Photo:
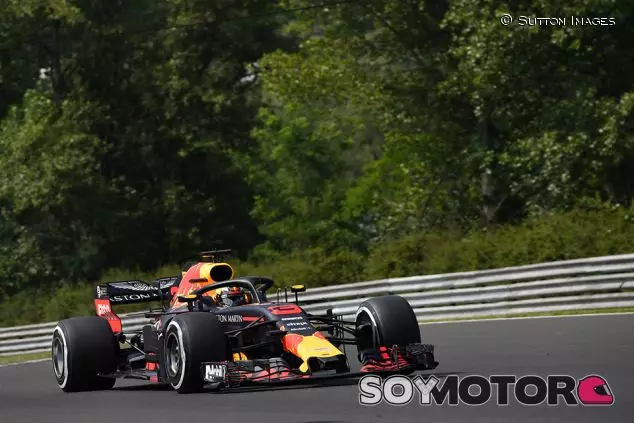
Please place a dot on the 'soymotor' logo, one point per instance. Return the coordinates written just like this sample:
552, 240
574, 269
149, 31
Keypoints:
594, 390
477, 390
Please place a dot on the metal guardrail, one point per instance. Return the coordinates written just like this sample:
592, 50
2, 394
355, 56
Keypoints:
592, 283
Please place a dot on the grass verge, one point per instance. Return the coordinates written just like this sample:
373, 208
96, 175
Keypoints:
8, 359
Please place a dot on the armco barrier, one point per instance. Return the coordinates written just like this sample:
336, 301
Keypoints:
592, 283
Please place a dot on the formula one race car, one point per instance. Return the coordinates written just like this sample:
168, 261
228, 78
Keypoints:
216, 331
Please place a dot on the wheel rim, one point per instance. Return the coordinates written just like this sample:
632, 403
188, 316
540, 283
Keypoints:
58, 357
366, 340
173, 356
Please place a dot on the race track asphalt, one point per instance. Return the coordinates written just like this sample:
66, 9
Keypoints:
575, 346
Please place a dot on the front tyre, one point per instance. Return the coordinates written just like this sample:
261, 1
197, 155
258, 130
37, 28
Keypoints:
190, 340
83, 348
386, 321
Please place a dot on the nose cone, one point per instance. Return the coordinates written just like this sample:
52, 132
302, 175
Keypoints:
310, 346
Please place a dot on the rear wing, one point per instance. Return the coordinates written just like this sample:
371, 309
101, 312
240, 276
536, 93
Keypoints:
137, 291
130, 292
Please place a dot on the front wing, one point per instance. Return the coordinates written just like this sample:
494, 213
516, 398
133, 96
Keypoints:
275, 371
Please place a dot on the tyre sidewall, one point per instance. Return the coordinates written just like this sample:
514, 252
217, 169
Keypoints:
201, 339
59, 335
89, 349
393, 320
175, 330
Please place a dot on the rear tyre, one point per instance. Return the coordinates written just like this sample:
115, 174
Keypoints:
386, 321
190, 340
84, 348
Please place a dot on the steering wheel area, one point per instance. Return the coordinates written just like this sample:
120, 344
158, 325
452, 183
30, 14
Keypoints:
255, 286
257, 295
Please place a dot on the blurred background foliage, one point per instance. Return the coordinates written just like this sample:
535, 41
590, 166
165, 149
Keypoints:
323, 141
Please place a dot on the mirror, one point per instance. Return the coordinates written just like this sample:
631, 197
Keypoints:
298, 288
295, 289
187, 298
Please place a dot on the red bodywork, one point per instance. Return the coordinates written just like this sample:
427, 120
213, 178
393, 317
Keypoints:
283, 310
388, 360
104, 309
200, 275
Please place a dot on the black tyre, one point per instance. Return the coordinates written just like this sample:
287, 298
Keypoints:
190, 340
82, 349
386, 321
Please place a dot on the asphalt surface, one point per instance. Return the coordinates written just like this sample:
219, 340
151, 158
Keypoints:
575, 346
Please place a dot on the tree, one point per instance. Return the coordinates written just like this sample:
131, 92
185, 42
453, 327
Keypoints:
51, 193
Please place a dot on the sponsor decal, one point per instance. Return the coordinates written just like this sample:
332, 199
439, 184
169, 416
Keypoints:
133, 297
215, 372
133, 286
297, 324
477, 390
230, 318
101, 291
166, 282
103, 309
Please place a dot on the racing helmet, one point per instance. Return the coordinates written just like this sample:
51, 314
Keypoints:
233, 296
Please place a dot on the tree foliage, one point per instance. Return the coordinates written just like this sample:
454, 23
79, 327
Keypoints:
135, 133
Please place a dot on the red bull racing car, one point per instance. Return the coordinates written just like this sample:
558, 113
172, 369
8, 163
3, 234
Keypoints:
217, 331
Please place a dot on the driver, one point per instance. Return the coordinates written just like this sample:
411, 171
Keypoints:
232, 296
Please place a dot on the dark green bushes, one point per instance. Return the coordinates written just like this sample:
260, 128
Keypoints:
584, 232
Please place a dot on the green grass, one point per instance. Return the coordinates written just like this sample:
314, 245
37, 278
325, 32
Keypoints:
23, 357
35, 356
536, 314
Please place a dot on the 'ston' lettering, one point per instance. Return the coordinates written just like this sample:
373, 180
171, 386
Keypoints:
133, 297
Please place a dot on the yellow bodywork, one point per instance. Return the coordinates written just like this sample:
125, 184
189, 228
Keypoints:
239, 356
314, 346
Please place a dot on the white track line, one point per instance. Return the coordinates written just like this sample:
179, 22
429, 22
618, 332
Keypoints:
493, 319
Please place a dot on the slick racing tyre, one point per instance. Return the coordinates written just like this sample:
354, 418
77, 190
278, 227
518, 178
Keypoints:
386, 321
82, 349
190, 340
